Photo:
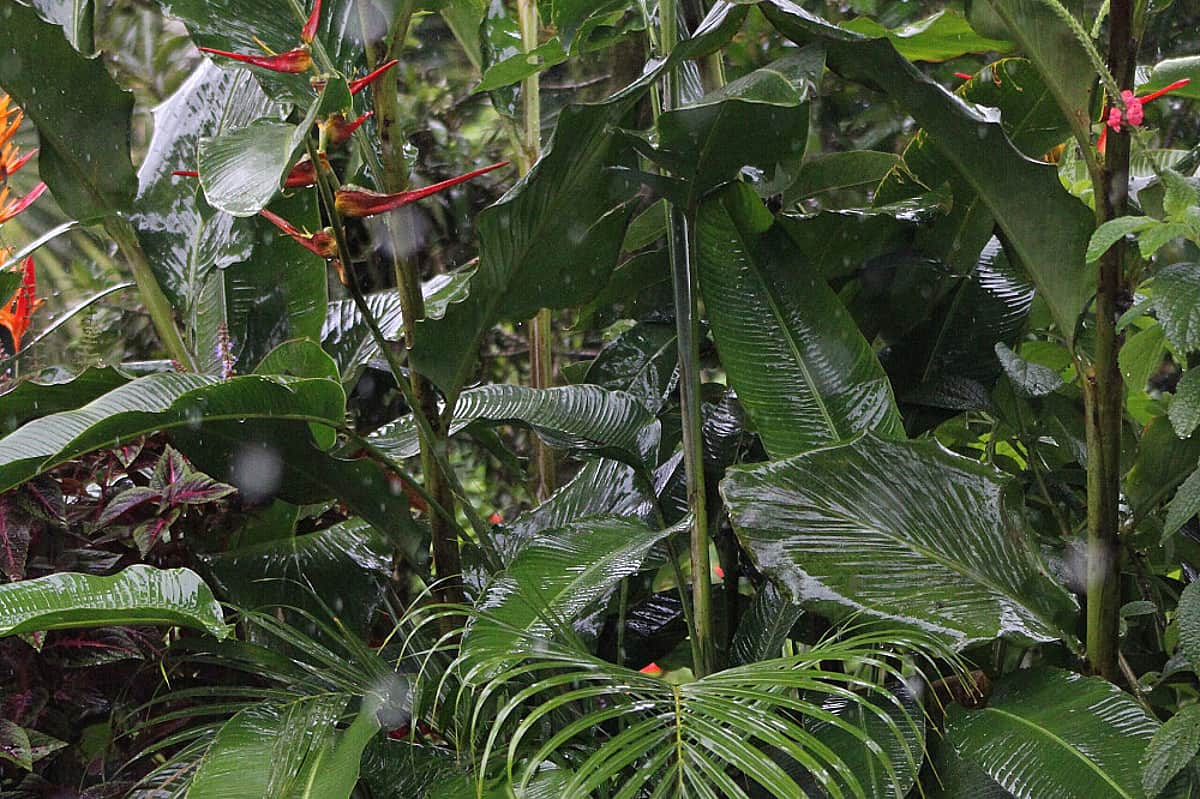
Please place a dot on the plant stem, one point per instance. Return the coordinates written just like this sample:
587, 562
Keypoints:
157, 304
680, 247
541, 327
393, 175
1104, 390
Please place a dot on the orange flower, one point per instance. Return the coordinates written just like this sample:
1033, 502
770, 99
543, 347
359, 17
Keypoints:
11, 160
17, 313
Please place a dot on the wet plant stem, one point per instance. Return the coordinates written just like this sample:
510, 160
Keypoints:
1104, 390
680, 245
541, 327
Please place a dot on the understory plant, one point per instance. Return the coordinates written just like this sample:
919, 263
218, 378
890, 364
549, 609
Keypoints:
630, 400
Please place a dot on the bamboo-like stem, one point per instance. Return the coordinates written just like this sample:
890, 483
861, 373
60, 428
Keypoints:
680, 249
1104, 389
393, 175
157, 305
541, 326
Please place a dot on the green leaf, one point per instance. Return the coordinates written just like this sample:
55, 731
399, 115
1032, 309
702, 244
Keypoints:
521, 65
1183, 506
1172, 748
77, 18
55, 390
1184, 411
799, 364
82, 115
291, 750
939, 37
759, 120
642, 361
585, 417
1142, 356
838, 171
1028, 379
241, 170
347, 567
1170, 70
1113, 231
161, 402
761, 632
1056, 735
1162, 462
1189, 624
552, 581
14, 745
1177, 304
1046, 228
138, 595
904, 531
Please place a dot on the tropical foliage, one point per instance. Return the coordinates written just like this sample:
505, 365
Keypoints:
631, 400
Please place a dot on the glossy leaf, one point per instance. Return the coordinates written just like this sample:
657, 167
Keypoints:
77, 18
1028, 379
55, 390
801, 368
553, 580
763, 629
1173, 747
241, 170
1045, 227
838, 171
347, 567
586, 418
160, 402
1052, 734
1170, 70
939, 37
83, 121
138, 595
642, 361
946, 548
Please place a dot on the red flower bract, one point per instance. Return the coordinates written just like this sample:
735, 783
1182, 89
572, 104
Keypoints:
292, 62
362, 202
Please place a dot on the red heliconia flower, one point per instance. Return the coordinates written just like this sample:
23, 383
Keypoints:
357, 86
322, 243
185, 173
338, 131
309, 32
9, 209
292, 62
355, 202
16, 314
1134, 114
963, 75
303, 174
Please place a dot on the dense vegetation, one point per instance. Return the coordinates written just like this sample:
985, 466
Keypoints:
594, 398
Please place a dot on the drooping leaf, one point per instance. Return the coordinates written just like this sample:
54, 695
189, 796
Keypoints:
1056, 735
584, 417
83, 116
241, 170
347, 567
903, 531
764, 627
642, 361
838, 171
1046, 228
1028, 379
801, 368
55, 390
138, 595
1162, 462
941, 36
1172, 748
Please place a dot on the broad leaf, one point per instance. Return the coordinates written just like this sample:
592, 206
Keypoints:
941, 36
801, 368
1189, 624
1170, 70
586, 418
763, 629
1053, 734
1183, 506
138, 595
241, 170
1028, 379
839, 171
1173, 747
643, 361
83, 117
904, 531
1177, 304
55, 390
1046, 228
1185, 405
77, 18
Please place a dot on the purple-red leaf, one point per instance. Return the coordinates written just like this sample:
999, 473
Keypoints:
126, 501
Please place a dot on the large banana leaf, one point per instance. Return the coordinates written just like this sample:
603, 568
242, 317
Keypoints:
138, 595
1046, 228
83, 116
55, 390
584, 417
286, 750
160, 402
800, 366
1052, 734
905, 531
643, 361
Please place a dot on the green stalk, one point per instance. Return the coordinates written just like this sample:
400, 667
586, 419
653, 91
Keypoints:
680, 245
157, 304
541, 327
1104, 390
393, 174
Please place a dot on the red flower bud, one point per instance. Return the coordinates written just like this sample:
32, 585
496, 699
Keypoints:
357, 86
321, 243
302, 175
362, 202
185, 173
339, 131
291, 62
309, 32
